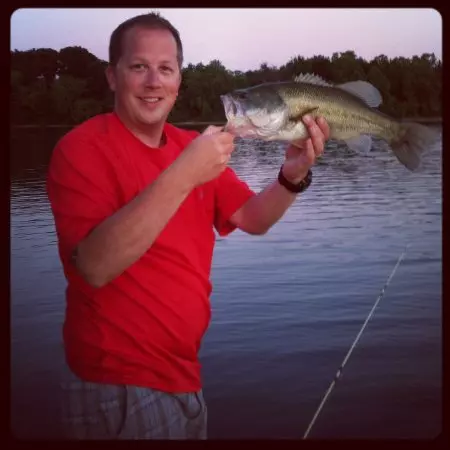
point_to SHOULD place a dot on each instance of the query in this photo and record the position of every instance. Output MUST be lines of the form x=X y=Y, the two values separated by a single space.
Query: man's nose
x=152 y=77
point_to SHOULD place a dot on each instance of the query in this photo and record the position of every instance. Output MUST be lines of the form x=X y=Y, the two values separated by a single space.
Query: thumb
x=299 y=143
x=211 y=129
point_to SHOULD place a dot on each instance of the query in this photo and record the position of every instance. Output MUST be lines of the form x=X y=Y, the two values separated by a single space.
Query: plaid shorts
x=105 y=411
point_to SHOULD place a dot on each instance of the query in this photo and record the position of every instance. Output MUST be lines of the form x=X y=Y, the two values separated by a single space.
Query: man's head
x=151 y=21
x=144 y=70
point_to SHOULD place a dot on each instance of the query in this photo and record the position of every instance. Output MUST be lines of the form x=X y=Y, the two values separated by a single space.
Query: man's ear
x=111 y=77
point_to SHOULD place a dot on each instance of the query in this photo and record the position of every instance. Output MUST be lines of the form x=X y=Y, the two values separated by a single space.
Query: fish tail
x=411 y=142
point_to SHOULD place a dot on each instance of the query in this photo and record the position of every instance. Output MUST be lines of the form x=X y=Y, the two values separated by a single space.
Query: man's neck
x=150 y=135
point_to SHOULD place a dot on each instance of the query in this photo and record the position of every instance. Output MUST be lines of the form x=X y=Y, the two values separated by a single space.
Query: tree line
x=69 y=86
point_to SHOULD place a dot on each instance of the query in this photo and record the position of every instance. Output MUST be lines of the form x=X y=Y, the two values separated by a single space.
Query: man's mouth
x=151 y=99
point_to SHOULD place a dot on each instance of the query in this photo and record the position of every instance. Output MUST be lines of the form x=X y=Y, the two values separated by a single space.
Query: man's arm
x=263 y=210
x=120 y=240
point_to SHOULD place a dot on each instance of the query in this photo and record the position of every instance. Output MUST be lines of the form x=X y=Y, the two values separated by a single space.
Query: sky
x=244 y=38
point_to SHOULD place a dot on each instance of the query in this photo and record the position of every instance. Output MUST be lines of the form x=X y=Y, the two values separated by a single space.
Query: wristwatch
x=295 y=188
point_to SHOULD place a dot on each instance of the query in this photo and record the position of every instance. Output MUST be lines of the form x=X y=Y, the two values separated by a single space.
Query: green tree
x=70 y=85
x=379 y=80
x=76 y=61
x=65 y=93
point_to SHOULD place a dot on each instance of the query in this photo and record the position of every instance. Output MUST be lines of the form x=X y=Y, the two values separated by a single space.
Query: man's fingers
x=323 y=125
x=310 y=146
x=222 y=136
x=318 y=145
x=299 y=144
x=317 y=134
x=211 y=129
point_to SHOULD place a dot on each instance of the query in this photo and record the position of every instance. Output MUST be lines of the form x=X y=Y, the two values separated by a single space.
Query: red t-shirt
x=143 y=328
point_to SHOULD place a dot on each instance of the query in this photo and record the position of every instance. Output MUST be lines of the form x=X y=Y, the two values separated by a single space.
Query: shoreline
x=423 y=120
x=75 y=124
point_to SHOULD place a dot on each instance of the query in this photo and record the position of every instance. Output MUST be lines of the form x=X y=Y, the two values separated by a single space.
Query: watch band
x=295 y=188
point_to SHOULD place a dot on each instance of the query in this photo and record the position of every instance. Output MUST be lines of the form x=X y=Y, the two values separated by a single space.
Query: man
x=135 y=200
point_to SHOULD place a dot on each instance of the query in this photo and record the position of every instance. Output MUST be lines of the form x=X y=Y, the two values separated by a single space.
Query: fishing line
x=341 y=368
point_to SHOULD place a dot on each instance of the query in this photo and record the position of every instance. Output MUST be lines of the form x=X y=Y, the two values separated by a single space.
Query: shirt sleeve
x=231 y=193
x=81 y=188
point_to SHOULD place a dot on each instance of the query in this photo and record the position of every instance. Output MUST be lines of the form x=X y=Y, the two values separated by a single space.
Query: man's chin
x=153 y=119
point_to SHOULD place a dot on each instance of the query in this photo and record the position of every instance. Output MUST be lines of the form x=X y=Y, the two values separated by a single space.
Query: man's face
x=146 y=78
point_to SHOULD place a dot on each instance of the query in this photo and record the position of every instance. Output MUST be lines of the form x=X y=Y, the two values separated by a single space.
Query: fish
x=274 y=111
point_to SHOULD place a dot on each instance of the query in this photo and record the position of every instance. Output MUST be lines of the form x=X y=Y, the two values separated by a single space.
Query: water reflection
x=286 y=306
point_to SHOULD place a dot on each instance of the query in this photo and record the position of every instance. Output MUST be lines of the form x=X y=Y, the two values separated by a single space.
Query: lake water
x=287 y=306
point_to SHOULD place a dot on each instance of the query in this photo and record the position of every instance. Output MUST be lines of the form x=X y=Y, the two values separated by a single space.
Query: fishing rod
x=341 y=368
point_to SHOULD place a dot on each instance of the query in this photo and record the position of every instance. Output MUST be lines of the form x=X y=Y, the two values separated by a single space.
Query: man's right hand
x=207 y=156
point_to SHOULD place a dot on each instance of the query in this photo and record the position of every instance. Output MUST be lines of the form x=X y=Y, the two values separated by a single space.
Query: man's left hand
x=301 y=155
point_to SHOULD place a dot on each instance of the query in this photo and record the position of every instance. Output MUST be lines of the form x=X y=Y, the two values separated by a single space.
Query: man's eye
x=167 y=69
x=138 y=67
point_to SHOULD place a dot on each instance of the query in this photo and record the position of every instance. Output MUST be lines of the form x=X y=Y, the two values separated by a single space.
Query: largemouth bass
x=274 y=111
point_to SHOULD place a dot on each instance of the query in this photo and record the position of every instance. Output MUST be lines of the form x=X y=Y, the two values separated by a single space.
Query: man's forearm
x=123 y=238
x=264 y=209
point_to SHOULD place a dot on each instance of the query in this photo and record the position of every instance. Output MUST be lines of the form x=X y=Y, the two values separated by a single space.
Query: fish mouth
x=229 y=106
x=245 y=120
x=237 y=121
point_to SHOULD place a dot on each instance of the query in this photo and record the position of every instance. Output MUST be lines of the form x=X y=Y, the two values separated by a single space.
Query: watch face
x=307 y=180
x=295 y=188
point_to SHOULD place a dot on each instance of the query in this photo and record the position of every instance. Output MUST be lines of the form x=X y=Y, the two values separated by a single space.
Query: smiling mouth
x=151 y=100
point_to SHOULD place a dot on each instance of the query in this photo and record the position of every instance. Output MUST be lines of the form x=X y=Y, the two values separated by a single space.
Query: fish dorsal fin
x=311 y=78
x=365 y=91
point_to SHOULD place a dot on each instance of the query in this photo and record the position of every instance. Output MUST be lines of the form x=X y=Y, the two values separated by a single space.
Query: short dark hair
x=151 y=21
